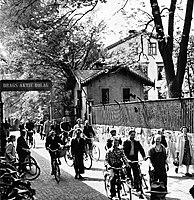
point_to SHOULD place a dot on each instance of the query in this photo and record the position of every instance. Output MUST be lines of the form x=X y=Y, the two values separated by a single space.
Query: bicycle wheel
x=68 y=158
x=95 y=153
x=57 y=172
x=125 y=191
x=30 y=159
x=32 y=171
x=87 y=161
x=107 y=184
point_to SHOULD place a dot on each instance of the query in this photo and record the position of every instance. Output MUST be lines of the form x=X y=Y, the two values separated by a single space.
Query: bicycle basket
x=62 y=152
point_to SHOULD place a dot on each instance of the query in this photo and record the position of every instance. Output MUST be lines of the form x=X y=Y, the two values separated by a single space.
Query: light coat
x=181 y=144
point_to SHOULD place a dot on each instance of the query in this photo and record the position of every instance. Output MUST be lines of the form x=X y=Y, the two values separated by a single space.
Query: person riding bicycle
x=110 y=140
x=89 y=134
x=115 y=157
x=78 y=125
x=131 y=149
x=65 y=128
x=53 y=142
x=29 y=126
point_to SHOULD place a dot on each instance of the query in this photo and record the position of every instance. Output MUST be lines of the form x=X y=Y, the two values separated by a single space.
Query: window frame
x=152 y=48
x=105 y=100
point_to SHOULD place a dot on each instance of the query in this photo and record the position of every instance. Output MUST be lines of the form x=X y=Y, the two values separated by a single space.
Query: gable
x=84 y=77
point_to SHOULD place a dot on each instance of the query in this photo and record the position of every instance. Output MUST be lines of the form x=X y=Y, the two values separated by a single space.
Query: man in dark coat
x=131 y=149
x=22 y=148
x=78 y=149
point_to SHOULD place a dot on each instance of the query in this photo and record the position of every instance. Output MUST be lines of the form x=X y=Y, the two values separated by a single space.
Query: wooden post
x=2 y=134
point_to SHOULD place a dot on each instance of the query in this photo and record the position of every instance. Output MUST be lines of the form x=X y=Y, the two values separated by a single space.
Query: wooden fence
x=169 y=114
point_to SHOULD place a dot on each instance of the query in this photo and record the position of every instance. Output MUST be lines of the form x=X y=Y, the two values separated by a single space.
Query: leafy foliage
x=48 y=40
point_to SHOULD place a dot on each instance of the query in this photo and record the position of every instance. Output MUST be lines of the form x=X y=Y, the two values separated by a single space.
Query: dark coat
x=77 y=148
x=53 y=143
x=137 y=148
x=88 y=131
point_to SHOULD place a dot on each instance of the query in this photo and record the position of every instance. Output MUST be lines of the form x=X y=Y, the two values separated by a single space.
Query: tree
x=174 y=71
x=174 y=80
x=47 y=39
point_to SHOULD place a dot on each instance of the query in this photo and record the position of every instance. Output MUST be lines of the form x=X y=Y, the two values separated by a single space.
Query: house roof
x=86 y=76
x=132 y=34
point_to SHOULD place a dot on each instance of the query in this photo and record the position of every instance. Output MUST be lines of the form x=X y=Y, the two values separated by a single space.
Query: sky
x=118 y=27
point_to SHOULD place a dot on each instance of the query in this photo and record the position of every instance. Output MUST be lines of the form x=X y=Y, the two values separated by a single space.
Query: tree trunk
x=174 y=82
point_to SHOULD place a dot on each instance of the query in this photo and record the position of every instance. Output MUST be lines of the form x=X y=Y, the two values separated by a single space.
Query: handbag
x=62 y=152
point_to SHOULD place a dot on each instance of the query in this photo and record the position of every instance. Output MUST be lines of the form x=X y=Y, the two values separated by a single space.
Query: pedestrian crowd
x=162 y=149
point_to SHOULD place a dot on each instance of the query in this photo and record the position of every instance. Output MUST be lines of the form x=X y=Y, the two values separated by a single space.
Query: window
x=126 y=94
x=105 y=95
x=161 y=73
x=152 y=48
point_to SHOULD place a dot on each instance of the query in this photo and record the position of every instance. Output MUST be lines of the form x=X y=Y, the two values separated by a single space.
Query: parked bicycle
x=55 y=165
x=28 y=170
x=14 y=188
x=123 y=184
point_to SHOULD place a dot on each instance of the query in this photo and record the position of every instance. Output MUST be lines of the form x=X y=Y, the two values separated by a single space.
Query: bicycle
x=55 y=165
x=123 y=186
x=140 y=180
x=12 y=187
x=94 y=151
x=26 y=170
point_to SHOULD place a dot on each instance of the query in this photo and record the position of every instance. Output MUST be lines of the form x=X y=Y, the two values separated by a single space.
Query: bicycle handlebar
x=138 y=161
x=117 y=168
x=55 y=150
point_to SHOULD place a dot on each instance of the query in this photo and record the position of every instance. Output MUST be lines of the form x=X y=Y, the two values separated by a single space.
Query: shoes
x=176 y=170
x=189 y=175
x=76 y=176
x=141 y=196
x=112 y=196
x=81 y=178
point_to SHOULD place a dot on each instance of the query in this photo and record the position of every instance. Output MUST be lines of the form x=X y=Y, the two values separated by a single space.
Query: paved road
x=93 y=186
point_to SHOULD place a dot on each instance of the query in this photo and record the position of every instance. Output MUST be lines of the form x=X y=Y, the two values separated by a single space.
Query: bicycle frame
x=123 y=188
x=55 y=165
x=140 y=179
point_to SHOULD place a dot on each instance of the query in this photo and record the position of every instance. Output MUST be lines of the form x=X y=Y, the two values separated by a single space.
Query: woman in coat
x=10 y=154
x=184 y=149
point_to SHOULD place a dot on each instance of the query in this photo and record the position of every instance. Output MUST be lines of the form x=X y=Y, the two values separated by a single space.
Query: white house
x=142 y=47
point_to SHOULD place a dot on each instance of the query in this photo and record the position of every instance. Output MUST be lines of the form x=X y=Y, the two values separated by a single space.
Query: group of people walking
x=118 y=151
x=128 y=151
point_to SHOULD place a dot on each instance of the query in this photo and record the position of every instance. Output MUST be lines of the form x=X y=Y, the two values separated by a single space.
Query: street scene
x=96 y=99
x=93 y=186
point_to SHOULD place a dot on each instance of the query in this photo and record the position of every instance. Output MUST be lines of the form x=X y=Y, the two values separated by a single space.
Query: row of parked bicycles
x=15 y=179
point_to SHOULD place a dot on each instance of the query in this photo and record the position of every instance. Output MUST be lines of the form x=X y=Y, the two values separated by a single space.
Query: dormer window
x=152 y=48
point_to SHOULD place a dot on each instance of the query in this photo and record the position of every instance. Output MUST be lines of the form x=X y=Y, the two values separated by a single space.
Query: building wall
x=115 y=83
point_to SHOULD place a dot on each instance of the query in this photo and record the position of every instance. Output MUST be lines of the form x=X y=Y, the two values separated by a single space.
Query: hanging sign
x=25 y=85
